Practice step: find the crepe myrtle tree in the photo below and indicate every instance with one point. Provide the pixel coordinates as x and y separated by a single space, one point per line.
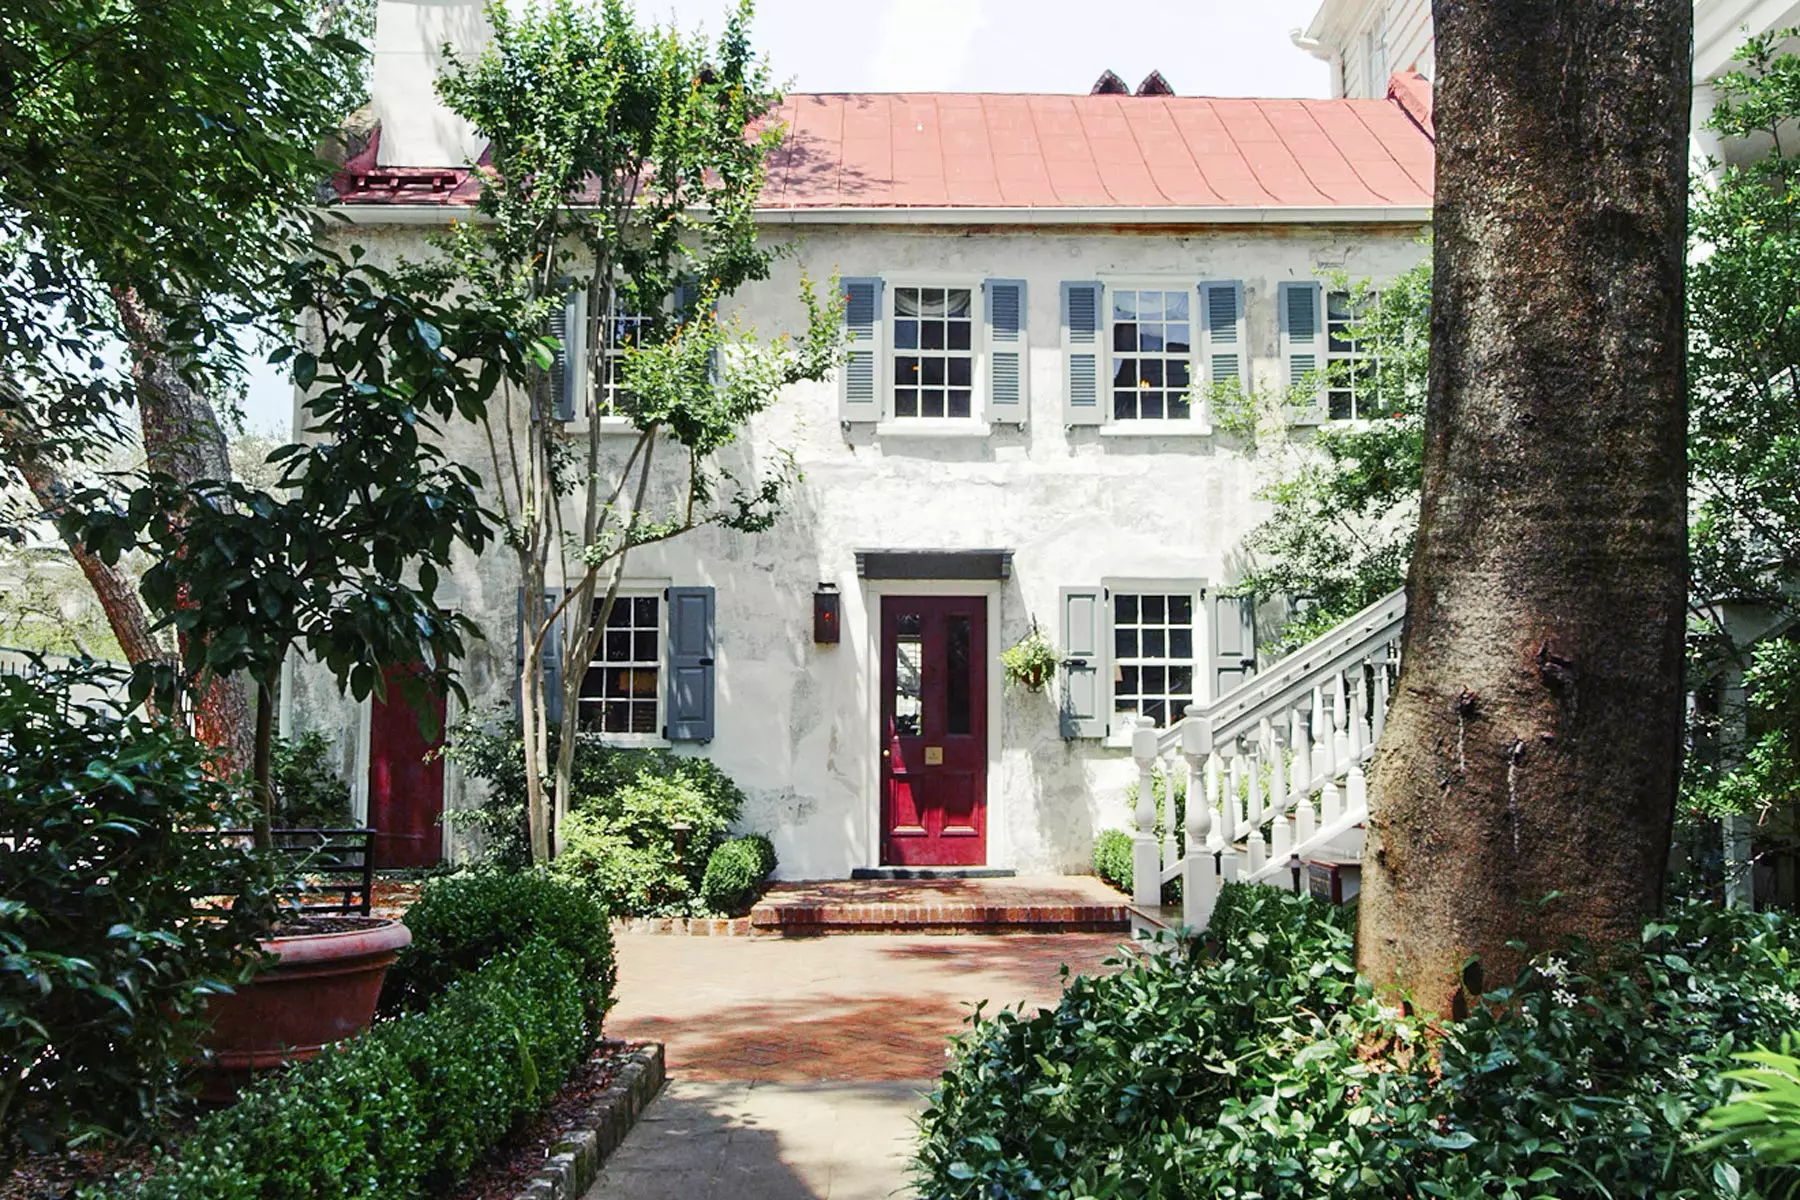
618 205
342 557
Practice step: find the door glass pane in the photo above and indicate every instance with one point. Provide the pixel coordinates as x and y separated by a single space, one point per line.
909 665
957 701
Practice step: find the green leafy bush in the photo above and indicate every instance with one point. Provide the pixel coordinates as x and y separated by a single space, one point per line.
1258 1064
107 951
461 922
407 1108
309 794
492 750
1112 858
735 873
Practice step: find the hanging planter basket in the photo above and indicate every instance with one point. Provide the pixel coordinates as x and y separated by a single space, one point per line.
1031 662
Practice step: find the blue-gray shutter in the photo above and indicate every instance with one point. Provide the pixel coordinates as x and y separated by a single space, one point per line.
1083 353
1008 350
1234 642
690 657
687 295
1222 340
1085 656
564 324
859 379
1302 343
551 653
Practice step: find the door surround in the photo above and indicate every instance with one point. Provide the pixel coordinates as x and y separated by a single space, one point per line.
999 849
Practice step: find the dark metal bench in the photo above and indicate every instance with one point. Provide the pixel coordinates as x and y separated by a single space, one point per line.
336 869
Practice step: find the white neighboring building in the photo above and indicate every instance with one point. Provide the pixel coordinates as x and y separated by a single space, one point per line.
1054 272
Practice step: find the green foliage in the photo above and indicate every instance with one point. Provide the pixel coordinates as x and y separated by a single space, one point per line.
309 793
1766 1113
1257 1063
1031 662
487 747
106 955
735 872
1112 858
640 841
404 1110
463 921
1345 502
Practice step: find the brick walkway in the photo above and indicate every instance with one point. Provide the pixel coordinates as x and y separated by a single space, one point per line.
797 1066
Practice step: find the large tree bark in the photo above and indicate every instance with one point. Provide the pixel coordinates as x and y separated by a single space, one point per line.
183 439
1525 785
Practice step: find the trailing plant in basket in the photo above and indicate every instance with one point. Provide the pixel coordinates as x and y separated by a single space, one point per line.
1031 661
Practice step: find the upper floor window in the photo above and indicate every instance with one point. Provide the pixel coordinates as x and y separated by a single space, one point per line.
1350 376
616 333
1152 344
934 355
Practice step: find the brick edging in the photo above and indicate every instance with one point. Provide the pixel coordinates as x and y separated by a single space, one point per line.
578 1152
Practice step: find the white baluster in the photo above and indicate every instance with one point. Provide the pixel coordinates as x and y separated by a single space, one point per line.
1146 861
1359 710
1171 850
1281 834
1235 789
1382 663
1199 870
1321 740
1340 739
1305 823
1256 844
1224 835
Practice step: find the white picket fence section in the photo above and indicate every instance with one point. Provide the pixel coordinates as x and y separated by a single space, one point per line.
1277 765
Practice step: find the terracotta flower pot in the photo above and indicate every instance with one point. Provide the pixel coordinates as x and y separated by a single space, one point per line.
321 989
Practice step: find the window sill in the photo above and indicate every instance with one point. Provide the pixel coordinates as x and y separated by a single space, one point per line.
609 427
1122 429
927 427
634 741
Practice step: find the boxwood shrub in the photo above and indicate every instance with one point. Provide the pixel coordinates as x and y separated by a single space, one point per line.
461 921
404 1110
735 873
1257 1063
1112 858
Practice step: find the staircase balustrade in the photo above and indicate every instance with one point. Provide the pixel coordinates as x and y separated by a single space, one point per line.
1273 771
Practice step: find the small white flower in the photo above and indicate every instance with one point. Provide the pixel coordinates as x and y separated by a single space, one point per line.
1564 997
1554 968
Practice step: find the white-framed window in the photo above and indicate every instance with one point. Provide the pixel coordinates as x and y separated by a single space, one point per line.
622 692
933 338
1152 340
1350 375
1157 641
616 332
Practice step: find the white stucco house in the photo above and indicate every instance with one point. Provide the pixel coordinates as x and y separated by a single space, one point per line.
1040 288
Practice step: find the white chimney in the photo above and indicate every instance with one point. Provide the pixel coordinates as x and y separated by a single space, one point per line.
416 129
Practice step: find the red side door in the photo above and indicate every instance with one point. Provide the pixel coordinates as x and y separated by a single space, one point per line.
406 780
934 731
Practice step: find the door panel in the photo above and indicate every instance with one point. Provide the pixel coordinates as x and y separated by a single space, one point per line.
934 730
406 781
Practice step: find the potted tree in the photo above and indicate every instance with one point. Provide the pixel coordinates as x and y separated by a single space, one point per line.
1031 661
343 561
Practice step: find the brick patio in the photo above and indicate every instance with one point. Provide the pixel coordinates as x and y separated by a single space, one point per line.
1041 904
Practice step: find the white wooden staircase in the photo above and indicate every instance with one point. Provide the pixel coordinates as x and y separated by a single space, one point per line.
1278 765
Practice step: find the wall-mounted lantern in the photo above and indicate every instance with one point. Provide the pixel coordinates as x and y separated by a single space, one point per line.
825 615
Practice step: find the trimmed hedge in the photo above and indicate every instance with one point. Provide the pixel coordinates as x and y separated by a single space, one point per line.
735 873
407 1108
461 921
1112 858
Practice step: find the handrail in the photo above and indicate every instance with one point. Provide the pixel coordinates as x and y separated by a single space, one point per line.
1293 675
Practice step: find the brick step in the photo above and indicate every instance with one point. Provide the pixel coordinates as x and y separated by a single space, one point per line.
1052 904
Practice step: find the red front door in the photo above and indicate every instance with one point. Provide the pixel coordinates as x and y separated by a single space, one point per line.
934 731
406 781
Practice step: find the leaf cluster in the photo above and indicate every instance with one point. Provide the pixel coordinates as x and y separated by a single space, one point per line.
108 947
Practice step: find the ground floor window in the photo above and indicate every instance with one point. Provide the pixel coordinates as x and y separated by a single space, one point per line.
1153 654
622 692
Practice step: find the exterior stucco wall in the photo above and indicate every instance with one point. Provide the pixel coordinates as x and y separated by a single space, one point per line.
796 721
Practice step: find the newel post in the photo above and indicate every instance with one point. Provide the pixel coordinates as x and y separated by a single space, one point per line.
1146 853
1199 870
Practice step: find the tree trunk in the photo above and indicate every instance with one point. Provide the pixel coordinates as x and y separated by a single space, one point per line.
1524 788
118 597
183 439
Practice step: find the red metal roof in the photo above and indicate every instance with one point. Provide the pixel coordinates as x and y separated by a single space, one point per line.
973 150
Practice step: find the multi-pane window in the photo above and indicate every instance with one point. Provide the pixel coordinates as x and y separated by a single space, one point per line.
934 359
616 332
1349 368
622 691
1153 654
1151 343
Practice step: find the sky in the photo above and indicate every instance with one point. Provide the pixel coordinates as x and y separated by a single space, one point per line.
1202 47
